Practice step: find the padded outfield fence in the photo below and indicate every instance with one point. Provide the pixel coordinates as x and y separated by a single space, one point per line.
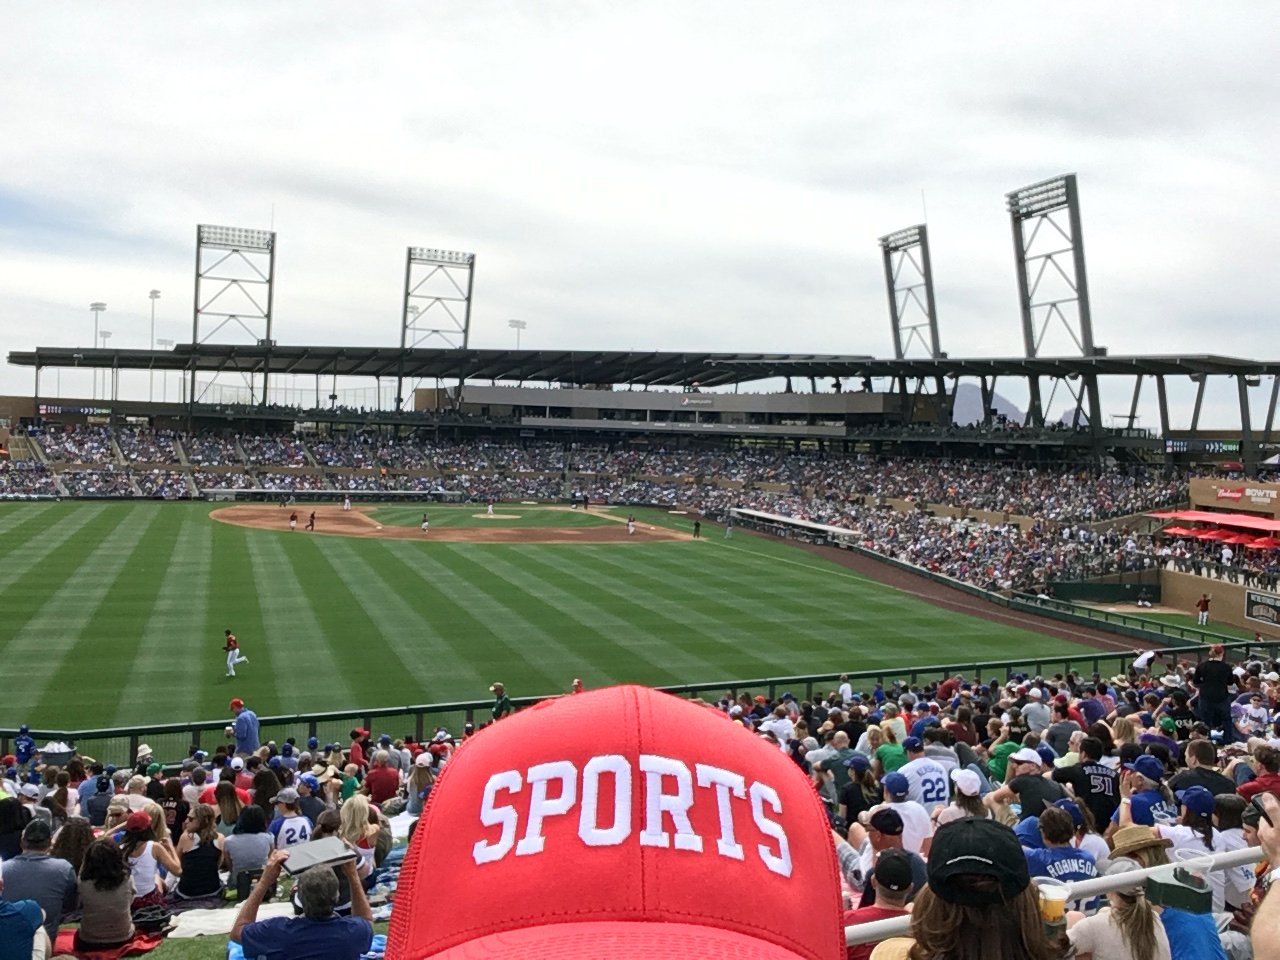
172 742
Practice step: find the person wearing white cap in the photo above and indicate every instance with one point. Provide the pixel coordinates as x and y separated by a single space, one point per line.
966 799
1026 785
1036 713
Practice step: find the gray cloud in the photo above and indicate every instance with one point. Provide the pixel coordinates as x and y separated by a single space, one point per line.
712 175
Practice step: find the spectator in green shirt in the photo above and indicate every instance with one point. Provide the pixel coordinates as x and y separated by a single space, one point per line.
501 702
889 755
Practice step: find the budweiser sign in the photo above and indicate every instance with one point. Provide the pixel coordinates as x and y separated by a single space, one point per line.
1231 493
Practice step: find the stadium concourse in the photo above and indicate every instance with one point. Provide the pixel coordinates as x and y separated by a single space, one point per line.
863 802
1050 509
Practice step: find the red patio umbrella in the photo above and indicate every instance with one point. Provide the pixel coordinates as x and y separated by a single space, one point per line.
1264 543
1239 538
1175 532
1214 534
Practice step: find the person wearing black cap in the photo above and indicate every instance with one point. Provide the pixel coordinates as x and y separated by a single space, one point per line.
893 882
979 903
882 834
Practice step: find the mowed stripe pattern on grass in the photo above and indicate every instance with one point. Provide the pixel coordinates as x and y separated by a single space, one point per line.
112 614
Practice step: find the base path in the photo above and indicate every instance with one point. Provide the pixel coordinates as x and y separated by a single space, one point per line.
334 521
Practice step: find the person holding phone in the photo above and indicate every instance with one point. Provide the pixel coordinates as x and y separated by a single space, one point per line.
319 931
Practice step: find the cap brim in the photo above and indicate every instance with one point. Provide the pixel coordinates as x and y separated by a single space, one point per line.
610 940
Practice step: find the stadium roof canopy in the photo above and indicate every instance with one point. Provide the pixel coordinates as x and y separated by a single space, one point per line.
600 367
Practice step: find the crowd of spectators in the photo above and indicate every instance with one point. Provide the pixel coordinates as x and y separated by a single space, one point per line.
267 450
290 482
211 450
220 480
97 483
846 492
26 478
1024 779
165 484
84 444
142 445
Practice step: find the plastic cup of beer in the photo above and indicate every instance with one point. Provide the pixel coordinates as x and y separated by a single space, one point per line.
1054 895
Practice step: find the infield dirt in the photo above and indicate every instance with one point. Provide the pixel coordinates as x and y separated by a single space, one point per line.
334 521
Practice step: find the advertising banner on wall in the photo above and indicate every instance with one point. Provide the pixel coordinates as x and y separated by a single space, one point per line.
1263 607
1261 499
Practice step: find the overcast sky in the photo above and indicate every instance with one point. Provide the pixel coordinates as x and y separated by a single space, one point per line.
705 176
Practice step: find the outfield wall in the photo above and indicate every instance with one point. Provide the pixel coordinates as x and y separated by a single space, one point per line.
1232 603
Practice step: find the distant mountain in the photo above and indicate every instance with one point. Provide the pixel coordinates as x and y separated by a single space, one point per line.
968 405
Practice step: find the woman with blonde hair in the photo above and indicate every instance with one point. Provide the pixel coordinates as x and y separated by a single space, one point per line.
421 780
354 827
200 850
229 807
1128 929
870 740
1123 731
892 721
117 813
889 755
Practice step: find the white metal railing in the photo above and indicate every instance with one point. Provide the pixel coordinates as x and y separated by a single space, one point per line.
878 930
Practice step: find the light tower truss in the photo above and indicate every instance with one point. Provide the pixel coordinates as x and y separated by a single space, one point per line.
1053 286
908 277
436 307
234 292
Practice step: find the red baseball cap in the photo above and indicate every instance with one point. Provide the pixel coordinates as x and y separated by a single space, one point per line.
237 702
657 839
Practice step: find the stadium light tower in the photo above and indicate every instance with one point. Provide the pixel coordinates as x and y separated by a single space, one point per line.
1053 289
234 291
436 303
151 374
517 326
908 275
97 307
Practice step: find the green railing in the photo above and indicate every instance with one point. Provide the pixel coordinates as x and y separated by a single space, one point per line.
1141 626
171 742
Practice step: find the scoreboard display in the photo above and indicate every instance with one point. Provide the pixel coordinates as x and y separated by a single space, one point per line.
1192 445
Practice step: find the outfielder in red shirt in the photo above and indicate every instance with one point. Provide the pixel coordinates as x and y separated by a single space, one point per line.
232 647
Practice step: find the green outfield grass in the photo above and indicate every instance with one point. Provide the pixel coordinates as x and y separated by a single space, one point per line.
112 614
506 515
1189 620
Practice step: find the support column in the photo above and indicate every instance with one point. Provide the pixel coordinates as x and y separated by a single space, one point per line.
1248 449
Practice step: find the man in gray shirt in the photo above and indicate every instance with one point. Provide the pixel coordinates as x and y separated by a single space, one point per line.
1035 713
1058 736
34 875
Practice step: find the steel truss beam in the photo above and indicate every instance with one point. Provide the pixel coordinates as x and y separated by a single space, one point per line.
234 291
908 277
1053 287
436 306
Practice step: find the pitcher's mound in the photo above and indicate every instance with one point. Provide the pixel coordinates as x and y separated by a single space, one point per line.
495 516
